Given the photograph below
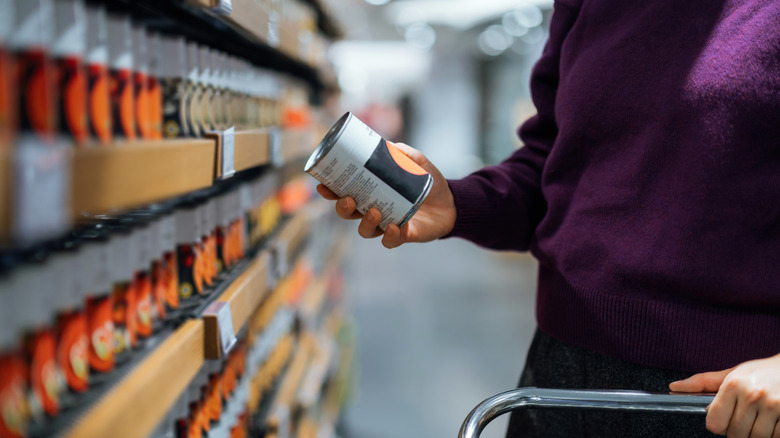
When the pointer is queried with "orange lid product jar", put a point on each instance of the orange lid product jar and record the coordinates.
(96, 263)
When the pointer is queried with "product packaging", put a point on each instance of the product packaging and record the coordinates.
(67, 51)
(142, 278)
(8, 113)
(123, 255)
(140, 85)
(193, 90)
(35, 74)
(96, 254)
(99, 80)
(120, 64)
(190, 268)
(175, 87)
(13, 381)
(153, 86)
(71, 322)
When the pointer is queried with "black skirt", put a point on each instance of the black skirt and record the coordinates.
(554, 364)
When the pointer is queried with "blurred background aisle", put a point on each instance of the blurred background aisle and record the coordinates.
(442, 325)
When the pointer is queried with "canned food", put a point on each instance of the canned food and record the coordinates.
(353, 160)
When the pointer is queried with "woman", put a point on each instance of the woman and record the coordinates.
(649, 190)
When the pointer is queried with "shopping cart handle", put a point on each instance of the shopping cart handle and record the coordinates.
(530, 398)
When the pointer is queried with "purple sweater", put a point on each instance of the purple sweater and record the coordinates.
(649, 184)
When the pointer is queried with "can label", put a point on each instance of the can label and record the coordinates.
(99, 103)
(142, 285)
(13, 408)
(72, 350)
(123, 104)
(101, 333)
(154, 112)
(124, 319)
(170, 278)
(36, 94)
(7, 99)
(353, 160)
(72, 86)
(174, 108)
(192, 97)
(43, 374)
(141, 94)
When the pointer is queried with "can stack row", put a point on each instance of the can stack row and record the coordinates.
(78, 73)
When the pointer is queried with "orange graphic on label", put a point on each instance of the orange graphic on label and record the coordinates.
(13, 407)
(73, 351)
(405, 162)
(100, 103)
(101, 334)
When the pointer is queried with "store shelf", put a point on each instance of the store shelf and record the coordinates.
(289, 241)
(244, 296)
(133, 174)
(253, 148)
(250, 16)
(136, 405)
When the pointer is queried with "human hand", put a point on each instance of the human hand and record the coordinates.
(433, 220)
(748, 399)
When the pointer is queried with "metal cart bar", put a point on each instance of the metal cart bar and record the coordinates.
(531, 398)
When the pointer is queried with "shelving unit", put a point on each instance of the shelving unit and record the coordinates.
(137, 404)
(115, 179)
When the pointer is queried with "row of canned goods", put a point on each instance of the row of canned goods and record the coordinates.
(78, 72)
(71, 312)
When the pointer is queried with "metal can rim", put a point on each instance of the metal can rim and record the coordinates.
(327, 143)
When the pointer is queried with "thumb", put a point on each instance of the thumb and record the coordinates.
(702, 382)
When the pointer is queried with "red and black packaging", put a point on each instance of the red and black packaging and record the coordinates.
(120, 64)
(98, 78)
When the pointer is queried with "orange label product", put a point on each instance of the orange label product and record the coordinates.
(13, 386)
(189, 263)
(140, 85)
(123, 311)
(154, 111)
(168, 270)
(35, 77)
(98, 79)
(7, 99)
(206, 90)
(100, 327)
(35, 74)
(68, 51)
(193, 91)
(142, 280)
(120, 63)
(43, 372)
(173, 71)
(73, 350)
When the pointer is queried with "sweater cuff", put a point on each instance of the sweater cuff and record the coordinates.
(471, 214)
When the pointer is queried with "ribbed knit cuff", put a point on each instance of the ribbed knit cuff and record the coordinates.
(471, 214)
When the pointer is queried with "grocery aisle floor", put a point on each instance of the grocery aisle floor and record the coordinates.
(441, 327)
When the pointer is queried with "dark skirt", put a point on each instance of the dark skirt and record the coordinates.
(554, 364)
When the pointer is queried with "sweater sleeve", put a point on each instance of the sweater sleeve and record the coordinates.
(499, 206)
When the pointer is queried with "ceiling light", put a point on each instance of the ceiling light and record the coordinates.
(494, 40)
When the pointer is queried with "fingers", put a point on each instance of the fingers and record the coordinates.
(765, 424)
(703, 382)
(392, 238)
(369, 226)
(742, 420)
(722, 408)
(326, 193)
(346, 209)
